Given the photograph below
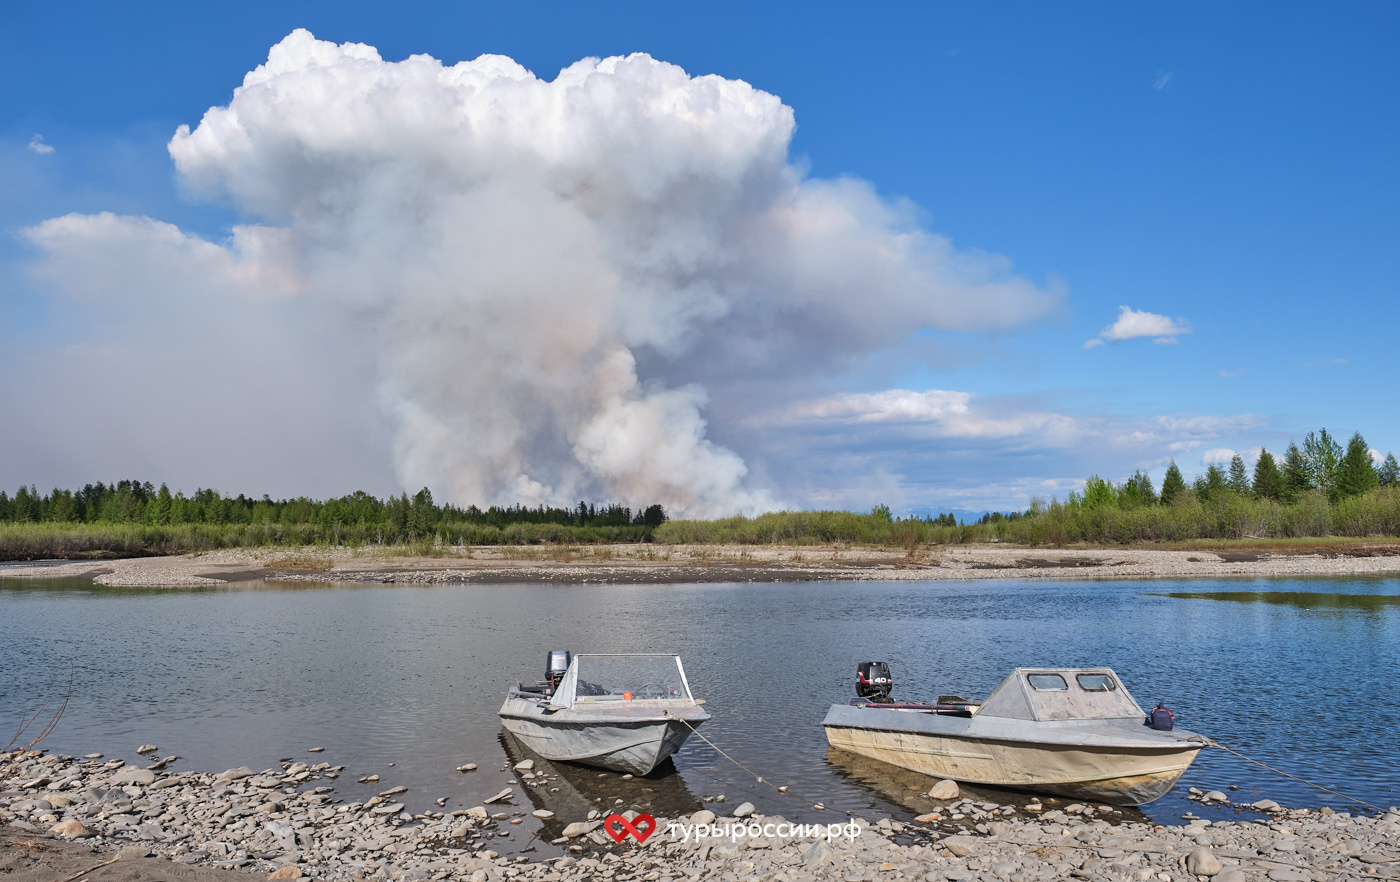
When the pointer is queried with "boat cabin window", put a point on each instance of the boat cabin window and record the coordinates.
(629, 678)
(1096, 682)
(1047, 682)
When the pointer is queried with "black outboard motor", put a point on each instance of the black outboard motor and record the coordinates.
(555, 666)
(873, 681)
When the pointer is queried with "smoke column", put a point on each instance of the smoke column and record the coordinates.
(555, 280)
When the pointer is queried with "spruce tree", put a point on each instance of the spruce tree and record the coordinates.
(1388, 474)
(1173, 485)
(1355, 474)
(1268, 482)
(1296, 481)
(1239, 478)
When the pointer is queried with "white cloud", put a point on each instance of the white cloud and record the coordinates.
(1217, 456)
(1163, 77)
(550, 282)
(37, 145)
(1376, 456)
(1132, 324)
(1224, 374)
(952, 448)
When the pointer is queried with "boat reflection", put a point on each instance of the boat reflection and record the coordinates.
(572, 791)
(906, 791)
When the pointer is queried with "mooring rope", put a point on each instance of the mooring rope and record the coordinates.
(785, 790)
(1294, 777)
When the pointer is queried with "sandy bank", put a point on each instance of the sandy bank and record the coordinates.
(661, 564)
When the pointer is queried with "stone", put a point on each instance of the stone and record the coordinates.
(286, 873)
(703, 817)
(145, 749)
(1288, 874)
(315, 749)
(580, 828)
(498, 797)
(543, 814)
(237, 774)
(133, 775)
(478, 811)
(819, 855)
(1202, 862)
(72, 829)
(1266, 805)
(524, 765)
(1217, 796)
(744, 810)
(469, 767)
(944, 790)
(960, 846)
(928, 818)
(1232, 875)
(133, 852)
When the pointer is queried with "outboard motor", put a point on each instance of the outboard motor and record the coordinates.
(873, 681)
(555, 666)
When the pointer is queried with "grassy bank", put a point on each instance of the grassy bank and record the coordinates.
(43, 541)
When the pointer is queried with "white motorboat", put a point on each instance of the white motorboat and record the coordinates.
(626, 712)
(1073, 732)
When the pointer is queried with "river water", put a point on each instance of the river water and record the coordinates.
(405, 682)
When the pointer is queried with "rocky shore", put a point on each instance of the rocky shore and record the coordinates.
(114, 820)
(662, 564)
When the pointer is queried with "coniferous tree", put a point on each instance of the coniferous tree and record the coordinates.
(1388, 474)
(1323, 457)
(1268, 482)
(1296, 480)
(1211, 483)
(1173, 485)
(1137, 490)
(1239, 478)
(1355, 474)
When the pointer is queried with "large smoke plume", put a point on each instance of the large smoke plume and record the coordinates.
(555, 280)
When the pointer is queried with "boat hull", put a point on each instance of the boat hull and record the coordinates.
(635, 739)
(1126, 769)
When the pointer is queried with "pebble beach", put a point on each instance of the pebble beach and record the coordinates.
(146, 821)
(662, 564)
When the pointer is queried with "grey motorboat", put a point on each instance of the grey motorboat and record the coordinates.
(626, 712)
(1073, 732)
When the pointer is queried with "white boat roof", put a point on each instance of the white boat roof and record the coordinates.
(1061, 694)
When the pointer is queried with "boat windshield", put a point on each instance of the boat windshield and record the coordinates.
(629, 678)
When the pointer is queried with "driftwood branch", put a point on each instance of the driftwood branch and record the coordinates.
(10, 755)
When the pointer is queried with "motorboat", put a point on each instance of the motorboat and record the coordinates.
(625, 712)
(1073, 732)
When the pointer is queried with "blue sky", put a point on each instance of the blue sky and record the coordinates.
(1229, 170)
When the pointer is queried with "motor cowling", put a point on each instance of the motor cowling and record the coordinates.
(873, 681)
(556, 666)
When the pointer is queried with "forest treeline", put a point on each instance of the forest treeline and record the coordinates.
(1316, 489)
(135, 517)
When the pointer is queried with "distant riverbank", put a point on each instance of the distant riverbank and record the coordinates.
(647, 563)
